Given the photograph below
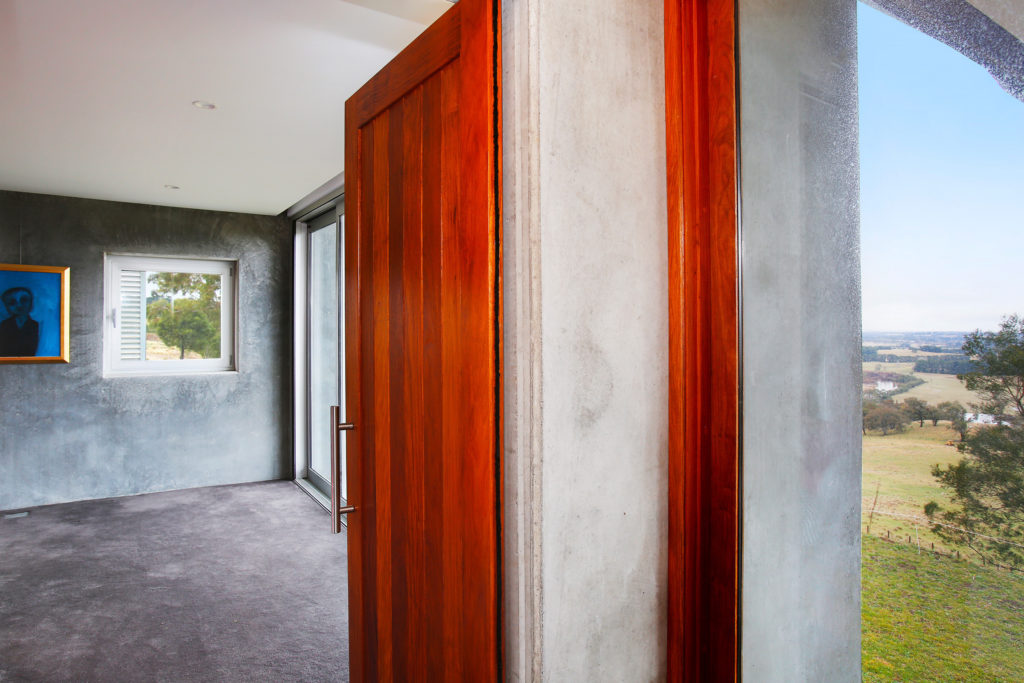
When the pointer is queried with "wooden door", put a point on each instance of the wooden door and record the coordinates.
(422, 358)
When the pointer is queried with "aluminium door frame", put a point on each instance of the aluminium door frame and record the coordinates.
(332, 202)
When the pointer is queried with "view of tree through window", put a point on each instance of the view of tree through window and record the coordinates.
(182, 316)
(942, 176)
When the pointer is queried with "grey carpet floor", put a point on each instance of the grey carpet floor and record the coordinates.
(229, 583)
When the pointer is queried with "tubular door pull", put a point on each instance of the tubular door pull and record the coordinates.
(337, 509)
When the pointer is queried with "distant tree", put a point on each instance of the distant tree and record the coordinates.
(998, 375)
(185, 326)
(947, 364)
(957, 416)
(986, 486)
(987, 490)
(200, 286)
(916, 409)
(885, 417)
(958, 421)
(868, 404)
(947, 409)
(186, 314)
(868, 354)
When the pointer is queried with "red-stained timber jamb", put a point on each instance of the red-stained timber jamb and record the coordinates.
(704, 489)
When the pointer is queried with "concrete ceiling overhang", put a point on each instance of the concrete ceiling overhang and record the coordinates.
(990, 32)
(97, 96)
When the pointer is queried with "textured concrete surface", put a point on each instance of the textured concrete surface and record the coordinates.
(586, 279)
(971, 32)
(523, 420)
(236, 583)
(68, 433)
(801, 341)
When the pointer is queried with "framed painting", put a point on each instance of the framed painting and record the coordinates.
(34, 314)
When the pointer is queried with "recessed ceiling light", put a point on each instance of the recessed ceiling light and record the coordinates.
(172, 187)
(202, 104)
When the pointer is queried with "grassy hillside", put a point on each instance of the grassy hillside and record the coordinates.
(928, 618)
(899, 467)
(899, 368)
(939, 388)
(936, 388)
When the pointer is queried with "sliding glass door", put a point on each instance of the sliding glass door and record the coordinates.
(323, 345)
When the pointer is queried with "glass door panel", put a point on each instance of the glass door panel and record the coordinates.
(324, 346)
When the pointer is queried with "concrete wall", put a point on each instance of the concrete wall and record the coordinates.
(801, 340)
(965, 27)
(586, 318)
(67, 433)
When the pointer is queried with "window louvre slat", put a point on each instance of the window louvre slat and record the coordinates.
(133, 321)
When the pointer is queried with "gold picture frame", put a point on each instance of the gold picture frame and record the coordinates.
(35, 314)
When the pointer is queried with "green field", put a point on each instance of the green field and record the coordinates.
(929, 618)
(936, 388)
(926, 616)
(899, 467)
(899, 368)
(939, 388)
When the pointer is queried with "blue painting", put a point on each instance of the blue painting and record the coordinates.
(33, 313)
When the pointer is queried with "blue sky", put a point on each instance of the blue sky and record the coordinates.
(942, 185)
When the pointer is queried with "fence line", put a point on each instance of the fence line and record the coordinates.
(927, 522)
(954, 554)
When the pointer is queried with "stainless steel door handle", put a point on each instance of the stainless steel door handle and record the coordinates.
(337, 509)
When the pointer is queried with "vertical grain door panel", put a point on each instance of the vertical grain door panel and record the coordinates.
(422, 358)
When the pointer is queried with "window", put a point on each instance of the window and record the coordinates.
(941, 148)
(168, 315)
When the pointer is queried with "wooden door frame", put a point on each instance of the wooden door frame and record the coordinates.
(704, 497)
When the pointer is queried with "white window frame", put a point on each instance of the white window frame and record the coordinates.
(114, 264)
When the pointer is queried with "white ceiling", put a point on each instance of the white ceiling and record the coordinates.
(96, 96)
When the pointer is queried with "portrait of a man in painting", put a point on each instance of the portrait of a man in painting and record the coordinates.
(19, 333)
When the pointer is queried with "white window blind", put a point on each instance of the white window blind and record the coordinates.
(132, 321)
